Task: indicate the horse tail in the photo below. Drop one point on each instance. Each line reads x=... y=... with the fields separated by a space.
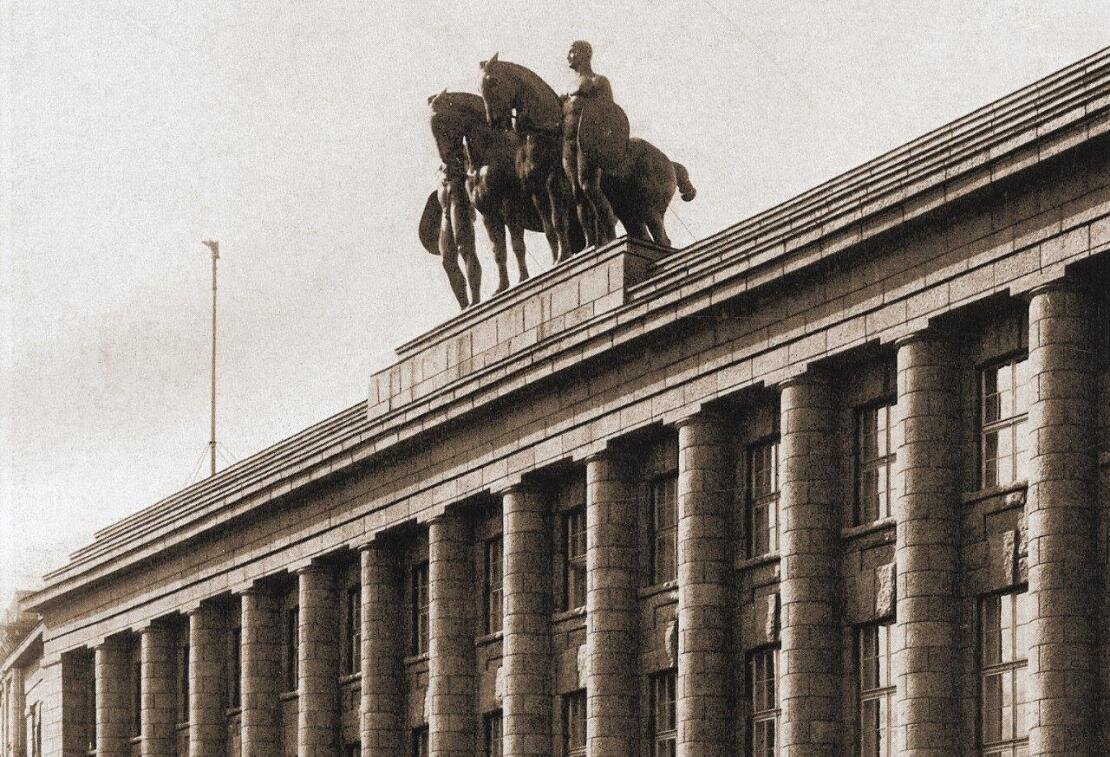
x=682 y=177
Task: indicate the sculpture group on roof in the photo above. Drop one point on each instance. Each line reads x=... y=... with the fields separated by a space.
x=525 y=158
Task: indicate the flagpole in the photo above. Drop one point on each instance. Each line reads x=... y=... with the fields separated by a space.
x=215 y=248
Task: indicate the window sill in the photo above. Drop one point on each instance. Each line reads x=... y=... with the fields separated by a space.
x=287 y=696
x=489 y=638
x=416 y=658
x=231 y=712
x=757 y=561
x=577 y=612
x=182 y=726
x=1009 y=491
x=651 y=591
x=347 y=678
x=878 y=526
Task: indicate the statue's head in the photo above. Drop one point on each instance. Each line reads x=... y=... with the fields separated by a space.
x=498 y=92
x=580 y=53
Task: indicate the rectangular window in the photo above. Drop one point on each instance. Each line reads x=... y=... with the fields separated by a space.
x=1003 y=651
x=874 y=463
x=354 y=629
x=663 y=723
x=234 y=667
x=876 y=691
x=763 y=695
x=1004 y=398
x=574 y=724
x=574 y=558
x=763 y=498
x=183 y=683
x=136 y=695
x=292 y=646
x=664 y=529
x=420 y=742
x=493 y=734
x=418 y=598
x=494 y=588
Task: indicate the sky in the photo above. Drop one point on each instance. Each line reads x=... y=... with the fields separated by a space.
x=296 y=134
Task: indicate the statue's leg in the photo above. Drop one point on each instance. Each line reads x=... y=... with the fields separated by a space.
x=590 y=180
x=449 y=256
x=658 y=230
x=495 y=227
x=463 y=223
x=571 y=158
x=557 y=209
x=516 y=233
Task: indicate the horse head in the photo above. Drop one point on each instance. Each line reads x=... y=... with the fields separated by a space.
x=452 y=116
x=500 y=90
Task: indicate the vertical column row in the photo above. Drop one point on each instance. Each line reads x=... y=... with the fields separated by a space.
x=1060 y=521
x=612 y=619
x=112 y=710
x=207 y=696
x=451 y=639
x=704 y=682
x=260 y=655
x=809 y=684
x=16 y=705
x=382 y=707
x=318 y=663
x=526 y=649
x=927 y=548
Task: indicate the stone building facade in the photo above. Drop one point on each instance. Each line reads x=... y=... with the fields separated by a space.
x=835 y=480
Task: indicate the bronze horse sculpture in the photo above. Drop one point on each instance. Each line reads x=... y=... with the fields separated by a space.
x=478 y=174
x=639 y=187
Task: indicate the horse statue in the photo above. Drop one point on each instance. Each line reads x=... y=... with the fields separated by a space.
x=638 y=185
x=479 y=173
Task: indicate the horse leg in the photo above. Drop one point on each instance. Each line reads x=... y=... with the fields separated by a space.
x=495 y=227
x=463 y=223
x=516 y=234
x=543 y=210
x=637 y=230
x=658 y=231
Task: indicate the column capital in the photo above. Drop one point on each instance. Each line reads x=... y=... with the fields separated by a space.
x=808 y=378
x=519 y=487
x=1058 y=285
x=314 y=567
x=921 y=335
x=702 y=416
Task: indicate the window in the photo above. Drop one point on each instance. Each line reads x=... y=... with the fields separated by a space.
x=574 y=724
x=420 y=742
x=763 y=498
x=493 y=734
x=874 y=463
x=418 y=597
x=354 y=629
x=292 y=645
x=494 y=588
x=183 y=683
x=234 y=666
x=664 y=529
x=876 y=691
x=764 y=702
x=1005 y=407
x=664 y=726
x=574 y=558
x=1003 y=649
x=136 y=695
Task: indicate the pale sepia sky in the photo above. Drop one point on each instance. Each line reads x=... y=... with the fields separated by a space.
x=296 y=134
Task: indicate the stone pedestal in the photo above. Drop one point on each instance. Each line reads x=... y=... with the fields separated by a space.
x=156 y=649
x=1060 y=515
x=113 y=716
x=451 y=716
x=612 y=618
x=809 y=661
x=526 y=705
x=260 y=674
x=207 y=693
x=383 y=700
x=705 y=671
x=926 y=638
x=318 y=663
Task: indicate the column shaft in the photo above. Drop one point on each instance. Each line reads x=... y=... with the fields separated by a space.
x=383 y=698
x=704 y=681
x=1060 y=521
x=526 y=704
x=612 y=608
x=207 y=695
x=156 y=649
x=260 y=670
x=17 y=702
x=809 y=681
x=318 y=663
x=926 y=639
x=451 y=666
x=113 y=716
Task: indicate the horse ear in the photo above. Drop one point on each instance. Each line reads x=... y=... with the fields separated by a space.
x=494 y=58
x=432 y=99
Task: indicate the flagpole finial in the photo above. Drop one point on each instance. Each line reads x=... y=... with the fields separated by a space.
x=212 y=245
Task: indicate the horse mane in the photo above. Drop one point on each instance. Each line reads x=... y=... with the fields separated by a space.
x=466 y=101
x=531 y=79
